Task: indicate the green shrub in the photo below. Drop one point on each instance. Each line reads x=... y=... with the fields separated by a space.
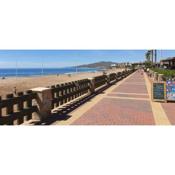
x=148 y=64
x=167 y=73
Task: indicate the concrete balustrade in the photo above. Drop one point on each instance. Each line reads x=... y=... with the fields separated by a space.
x=160 y=77
x=155 y=76
x=91 y=85
x=108 y=79
x=44 y=101
x=149 y=73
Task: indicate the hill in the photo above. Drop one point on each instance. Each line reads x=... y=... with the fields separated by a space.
x=102 y=64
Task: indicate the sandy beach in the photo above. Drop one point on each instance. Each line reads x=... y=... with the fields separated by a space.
x=24 y=83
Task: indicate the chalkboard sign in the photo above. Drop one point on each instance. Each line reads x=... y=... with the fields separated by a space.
x=170 y=90
x=159 y=91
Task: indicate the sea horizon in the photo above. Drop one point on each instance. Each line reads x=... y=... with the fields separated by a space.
x=31 y=72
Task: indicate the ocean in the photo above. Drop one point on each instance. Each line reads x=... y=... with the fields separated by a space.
x=28 y=72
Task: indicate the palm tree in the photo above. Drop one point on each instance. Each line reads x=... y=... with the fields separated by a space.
x=148 y=56
x=152 y=56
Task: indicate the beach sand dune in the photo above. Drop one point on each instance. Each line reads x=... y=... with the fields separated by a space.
x=24 y=83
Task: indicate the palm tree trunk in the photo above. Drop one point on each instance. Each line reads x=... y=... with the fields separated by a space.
x=152 y=56
x=155 y=55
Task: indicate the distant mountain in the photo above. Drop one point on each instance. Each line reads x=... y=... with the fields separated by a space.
x=102 y=64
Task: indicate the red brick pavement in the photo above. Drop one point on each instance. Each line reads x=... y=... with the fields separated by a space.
x=169 y=109
x=111 y=111
x=118 y=112
x=131 y=89
x=129 y=95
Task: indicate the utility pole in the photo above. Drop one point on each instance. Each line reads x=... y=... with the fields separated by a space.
x=161 y=54
x=16 y=70
x=42 y=67
x=152 y=56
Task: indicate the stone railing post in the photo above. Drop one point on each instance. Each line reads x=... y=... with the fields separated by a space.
x=91 y=85
x=152 y=74
x=44 y=101
x=124 y=74
x=119 y=76
x=160 y=77
x=108 y=79
x=155 y=76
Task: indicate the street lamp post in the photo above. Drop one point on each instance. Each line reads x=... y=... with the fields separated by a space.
x=155 y=57
x=16 y=70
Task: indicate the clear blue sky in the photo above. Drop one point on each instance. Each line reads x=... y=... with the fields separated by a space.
x=65 y=58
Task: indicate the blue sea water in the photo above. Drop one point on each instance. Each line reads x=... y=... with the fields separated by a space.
x=27 y=72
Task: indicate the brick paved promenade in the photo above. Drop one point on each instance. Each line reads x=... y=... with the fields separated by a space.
x=125 y=103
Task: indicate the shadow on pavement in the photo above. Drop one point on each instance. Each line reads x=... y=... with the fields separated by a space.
x=63 y=113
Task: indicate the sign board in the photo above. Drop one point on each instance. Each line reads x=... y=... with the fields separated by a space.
x=159 y=91
x=170 y=90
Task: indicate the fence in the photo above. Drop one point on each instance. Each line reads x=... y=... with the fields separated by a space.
x=15 y=110
x=112 y=77
x=100 y=81
x=67 y=92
